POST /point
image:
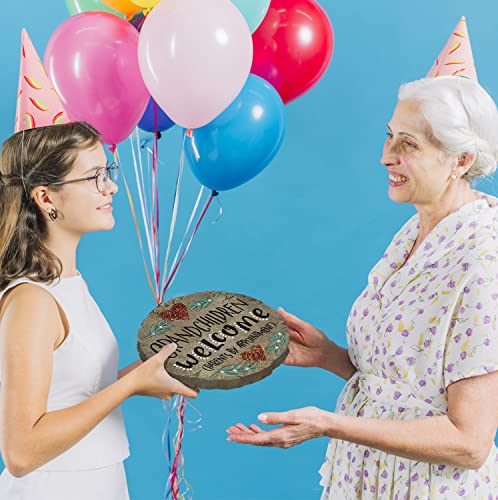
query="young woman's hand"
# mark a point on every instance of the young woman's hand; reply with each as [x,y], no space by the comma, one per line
[152,379]
[127,369]
[308,345]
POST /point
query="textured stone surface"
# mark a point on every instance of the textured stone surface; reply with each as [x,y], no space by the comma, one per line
[225,340]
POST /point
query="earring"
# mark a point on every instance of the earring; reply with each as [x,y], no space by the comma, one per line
[53,214]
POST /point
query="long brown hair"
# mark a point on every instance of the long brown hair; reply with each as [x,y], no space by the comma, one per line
[35,157]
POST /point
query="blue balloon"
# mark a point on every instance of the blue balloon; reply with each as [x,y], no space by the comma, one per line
[146,123]
[242,141]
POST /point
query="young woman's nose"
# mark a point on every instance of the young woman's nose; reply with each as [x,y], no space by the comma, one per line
[111,187]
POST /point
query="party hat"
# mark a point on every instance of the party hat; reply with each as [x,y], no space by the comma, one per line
[456,57]
[38,104]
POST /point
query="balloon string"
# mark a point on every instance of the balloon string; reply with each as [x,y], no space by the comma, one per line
[175,461]
[173,450]
[142,196]
[169,408]
[178,450]
[220,214]
[140,184]
[175,269]
[192,215]
[190,134]
[174,215]
[156,167]
[155,209]
[178,440]
[137,228]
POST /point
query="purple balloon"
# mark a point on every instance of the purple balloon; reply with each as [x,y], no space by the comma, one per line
[137,21]
[92,61]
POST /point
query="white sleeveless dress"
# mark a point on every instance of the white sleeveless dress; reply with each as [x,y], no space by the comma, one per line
[84,364]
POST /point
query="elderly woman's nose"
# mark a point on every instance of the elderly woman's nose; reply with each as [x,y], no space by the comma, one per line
[389,156]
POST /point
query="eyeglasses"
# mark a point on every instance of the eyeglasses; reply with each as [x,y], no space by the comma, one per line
[101,177]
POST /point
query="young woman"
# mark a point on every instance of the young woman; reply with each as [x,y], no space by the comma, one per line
[62,434]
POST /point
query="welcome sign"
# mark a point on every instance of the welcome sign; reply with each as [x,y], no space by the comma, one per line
[225,340]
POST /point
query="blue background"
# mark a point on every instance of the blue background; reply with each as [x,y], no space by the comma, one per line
[303,234]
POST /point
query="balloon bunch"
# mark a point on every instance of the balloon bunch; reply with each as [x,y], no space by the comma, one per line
[195,64]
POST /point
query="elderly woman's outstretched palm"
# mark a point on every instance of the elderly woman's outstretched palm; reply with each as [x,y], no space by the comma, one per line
[308,345]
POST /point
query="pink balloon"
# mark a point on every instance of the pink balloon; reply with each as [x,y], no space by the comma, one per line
[92,61]
[195,57]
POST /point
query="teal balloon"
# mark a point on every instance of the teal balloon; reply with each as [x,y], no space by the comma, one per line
[253,10]
[78,6]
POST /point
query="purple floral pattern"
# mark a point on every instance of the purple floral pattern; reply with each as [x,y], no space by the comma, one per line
[420,325]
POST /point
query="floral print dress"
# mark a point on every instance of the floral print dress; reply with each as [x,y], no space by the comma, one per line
[418,327]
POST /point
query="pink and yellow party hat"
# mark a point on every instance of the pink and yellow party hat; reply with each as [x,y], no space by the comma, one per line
[456,57]
[38,104]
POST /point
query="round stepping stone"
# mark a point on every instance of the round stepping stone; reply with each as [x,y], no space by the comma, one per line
[225,340]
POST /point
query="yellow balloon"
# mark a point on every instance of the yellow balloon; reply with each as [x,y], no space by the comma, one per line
[126,7]
[148,4]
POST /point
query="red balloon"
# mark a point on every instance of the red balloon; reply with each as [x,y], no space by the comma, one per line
[293,46]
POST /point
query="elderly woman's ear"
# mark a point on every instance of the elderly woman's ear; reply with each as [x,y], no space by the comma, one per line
[464,163]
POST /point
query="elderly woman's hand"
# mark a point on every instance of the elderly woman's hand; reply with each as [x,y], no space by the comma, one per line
[298,426]
[308,345]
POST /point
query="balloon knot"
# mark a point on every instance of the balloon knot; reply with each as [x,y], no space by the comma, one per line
[112,148]
[146,11]
[214,193]
[188,133]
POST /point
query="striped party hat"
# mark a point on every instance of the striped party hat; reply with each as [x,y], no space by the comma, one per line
[38,104]
[456,57]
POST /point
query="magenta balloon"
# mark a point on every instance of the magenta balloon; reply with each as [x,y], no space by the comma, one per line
[195,57]
[92,60]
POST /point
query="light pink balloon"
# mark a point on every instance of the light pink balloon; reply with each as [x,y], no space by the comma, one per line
[195,57]
[92,60]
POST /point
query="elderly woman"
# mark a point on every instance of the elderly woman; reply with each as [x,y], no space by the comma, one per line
[419,412]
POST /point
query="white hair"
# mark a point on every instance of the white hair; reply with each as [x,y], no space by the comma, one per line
[462,116]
